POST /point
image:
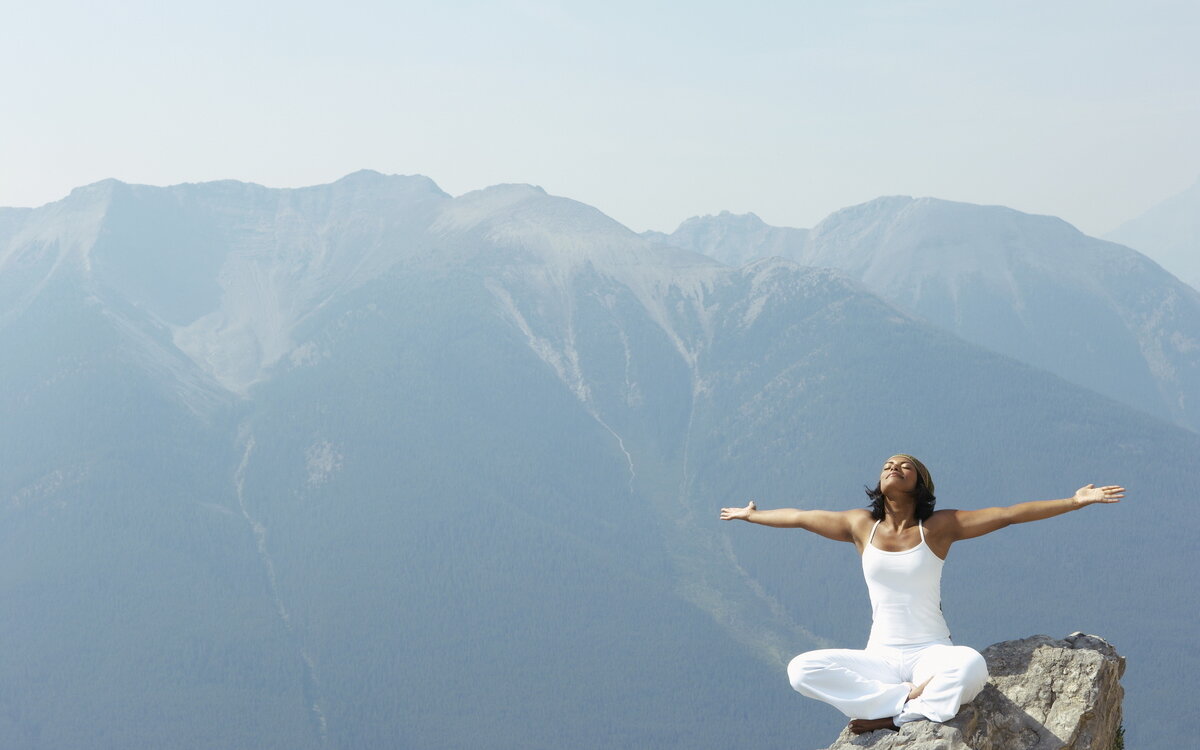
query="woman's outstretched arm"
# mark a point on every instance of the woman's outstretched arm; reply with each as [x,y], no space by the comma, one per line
[832,524]
[968,524]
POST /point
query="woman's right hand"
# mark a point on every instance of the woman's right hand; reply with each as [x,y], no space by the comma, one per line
[736,514]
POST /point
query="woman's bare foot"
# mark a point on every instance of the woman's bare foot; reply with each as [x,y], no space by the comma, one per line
[918,689]
[862,726]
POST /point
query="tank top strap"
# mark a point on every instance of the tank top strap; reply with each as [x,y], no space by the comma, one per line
[921,526]
[872,536]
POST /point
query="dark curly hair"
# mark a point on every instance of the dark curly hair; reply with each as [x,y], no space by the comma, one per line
[925,500]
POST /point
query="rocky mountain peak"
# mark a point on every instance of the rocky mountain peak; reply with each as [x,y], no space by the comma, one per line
[725,218]
[735,239]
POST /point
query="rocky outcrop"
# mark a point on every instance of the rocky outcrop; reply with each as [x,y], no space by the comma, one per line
[1043,695]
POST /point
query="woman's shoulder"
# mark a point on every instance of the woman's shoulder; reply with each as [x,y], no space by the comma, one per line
[860,517]
[940,517]
[861,522]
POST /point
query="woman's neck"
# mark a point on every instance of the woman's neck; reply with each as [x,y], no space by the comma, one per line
[899,513]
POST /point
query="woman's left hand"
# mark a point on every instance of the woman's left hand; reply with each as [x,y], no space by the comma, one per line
[1090,493]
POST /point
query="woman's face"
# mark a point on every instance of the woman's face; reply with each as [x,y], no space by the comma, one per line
[899,476]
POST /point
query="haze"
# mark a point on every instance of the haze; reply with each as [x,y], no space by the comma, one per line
[650,112]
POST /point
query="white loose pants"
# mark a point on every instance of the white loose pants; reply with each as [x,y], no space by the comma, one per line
[870,684]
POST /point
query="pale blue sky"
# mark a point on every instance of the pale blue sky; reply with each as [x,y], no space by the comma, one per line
[652,112]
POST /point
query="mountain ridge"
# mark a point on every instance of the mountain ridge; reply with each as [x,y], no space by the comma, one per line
[1031,287]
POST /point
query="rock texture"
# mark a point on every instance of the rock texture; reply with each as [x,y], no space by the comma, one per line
[1043,695]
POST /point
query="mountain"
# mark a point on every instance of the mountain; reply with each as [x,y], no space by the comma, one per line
[734,239]
[1169,233]
[1030,287]
[368,465]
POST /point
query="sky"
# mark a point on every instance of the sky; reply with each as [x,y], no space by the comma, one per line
[652,112]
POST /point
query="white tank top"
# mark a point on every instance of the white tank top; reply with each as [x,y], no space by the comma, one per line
[906,594]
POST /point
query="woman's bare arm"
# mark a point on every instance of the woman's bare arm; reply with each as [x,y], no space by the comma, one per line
[968,524]
[831,524]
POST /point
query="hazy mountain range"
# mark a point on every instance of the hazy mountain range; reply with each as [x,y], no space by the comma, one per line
[1030,287]
[1169,233]
[368,465]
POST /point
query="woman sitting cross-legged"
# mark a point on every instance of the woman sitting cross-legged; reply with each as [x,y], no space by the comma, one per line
[910,669]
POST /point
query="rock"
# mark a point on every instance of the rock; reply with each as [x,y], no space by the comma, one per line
[1043,694]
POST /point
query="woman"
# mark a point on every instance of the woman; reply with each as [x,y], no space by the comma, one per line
[909,670]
